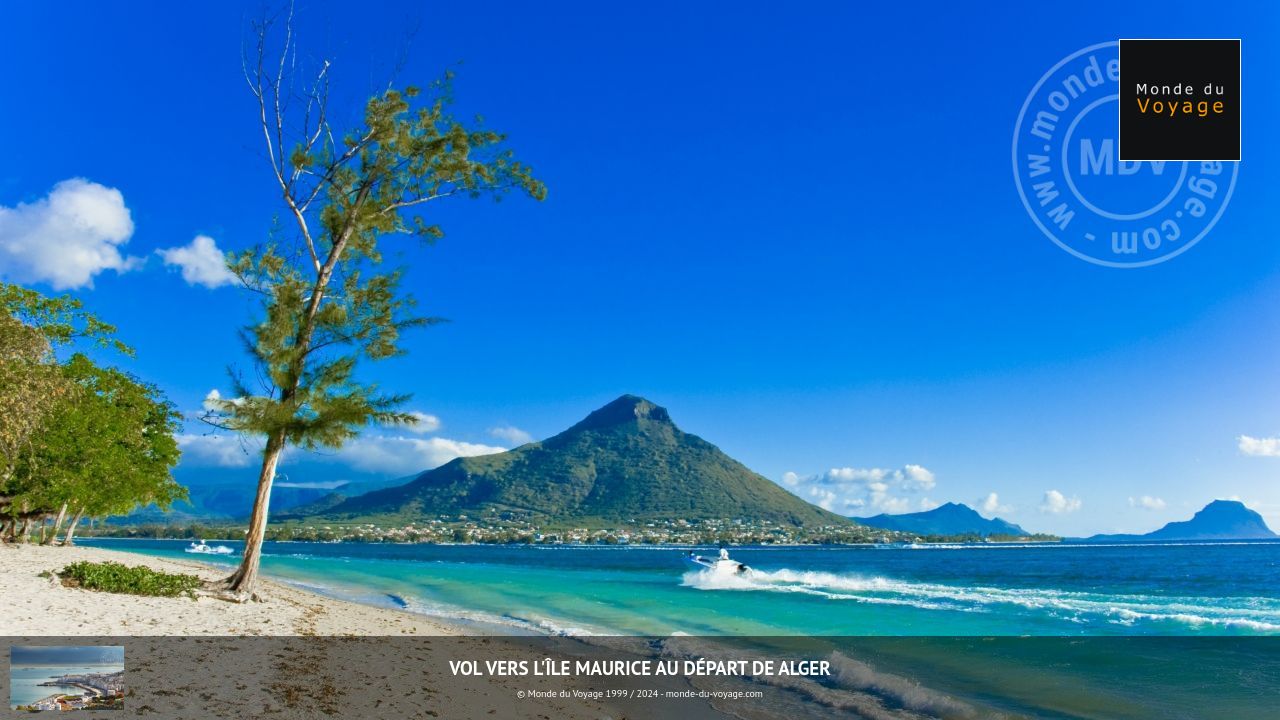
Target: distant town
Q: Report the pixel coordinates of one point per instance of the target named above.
(506, 529)
(102, 691)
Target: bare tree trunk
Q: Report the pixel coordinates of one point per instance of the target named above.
(71, 529)
(25, 537)
(57, 526)
(243, 581)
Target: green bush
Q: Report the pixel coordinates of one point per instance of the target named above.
(117, 578)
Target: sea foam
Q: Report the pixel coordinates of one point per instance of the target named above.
(1154, 613)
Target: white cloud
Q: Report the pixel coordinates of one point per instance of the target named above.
(865, 491)
(1058, 504)
(322, 485)
(396, 455)
(1260, 447)
(222, 450)
(201, 262)
(991, 505)
(511, 434)
(66, 238)
(388, 454)
(1147, 502)
(214, 402)
(426, 423)
(919, 478)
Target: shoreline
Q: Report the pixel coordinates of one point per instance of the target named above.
(299, 654)
(923, 544)
(658, 546)
(35, 606)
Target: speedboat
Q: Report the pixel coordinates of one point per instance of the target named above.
(719, 565)
(203, 548)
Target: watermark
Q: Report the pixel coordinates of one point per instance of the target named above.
(1071, 180)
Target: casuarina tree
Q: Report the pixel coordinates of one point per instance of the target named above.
(329, 300)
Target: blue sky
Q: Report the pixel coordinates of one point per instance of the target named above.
(794, 227)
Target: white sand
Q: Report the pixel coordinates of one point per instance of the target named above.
(296, 655)
(32, 605)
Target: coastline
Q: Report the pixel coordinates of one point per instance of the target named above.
(306, 653)
(34, 605)
(299, 654)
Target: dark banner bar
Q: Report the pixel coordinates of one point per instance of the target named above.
(1156, 678)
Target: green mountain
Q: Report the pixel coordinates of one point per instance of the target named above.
(625, 463)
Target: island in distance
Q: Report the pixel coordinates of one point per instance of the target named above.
(1219, 520)
(949, 519)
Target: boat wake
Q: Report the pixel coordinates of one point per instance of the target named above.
(1136, 613)
(204, 548)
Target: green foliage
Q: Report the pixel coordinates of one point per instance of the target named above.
(106, 448)
(188, 531)
(329, 300)
(627, 462)
(118, 578)
(75, 436)
(31, 325)
(30, 387)
(62, 320)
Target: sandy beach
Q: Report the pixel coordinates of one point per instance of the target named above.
(34, 605)
(296, 655)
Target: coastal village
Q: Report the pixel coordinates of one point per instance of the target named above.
(102, 691)
(506, 529)
(463, 529)
(498, 530)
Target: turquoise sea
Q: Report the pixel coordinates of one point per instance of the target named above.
(1221, 588)
(1114, 632)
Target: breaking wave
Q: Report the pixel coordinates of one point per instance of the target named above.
(1154, 613)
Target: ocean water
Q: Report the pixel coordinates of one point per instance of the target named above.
(24, 681)
(1055, 632)
(1221, 588)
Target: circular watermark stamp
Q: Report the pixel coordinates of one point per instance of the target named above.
(1067, 166)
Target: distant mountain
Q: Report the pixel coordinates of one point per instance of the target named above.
(949, 519)
(1219, 520)
(224, 500)
(626, 462)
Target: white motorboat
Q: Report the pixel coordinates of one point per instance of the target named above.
(718, 565)
(204, 548)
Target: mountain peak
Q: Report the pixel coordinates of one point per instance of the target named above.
(625, 409)
(1219, 520)
(625, 463)
(948, 519)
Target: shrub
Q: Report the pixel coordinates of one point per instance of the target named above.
(117, 578)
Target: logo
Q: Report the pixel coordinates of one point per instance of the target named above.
(1107, 211)
(1180, 100)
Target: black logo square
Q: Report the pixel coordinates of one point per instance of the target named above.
(1179, 100)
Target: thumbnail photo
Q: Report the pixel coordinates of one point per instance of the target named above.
(66, 677)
